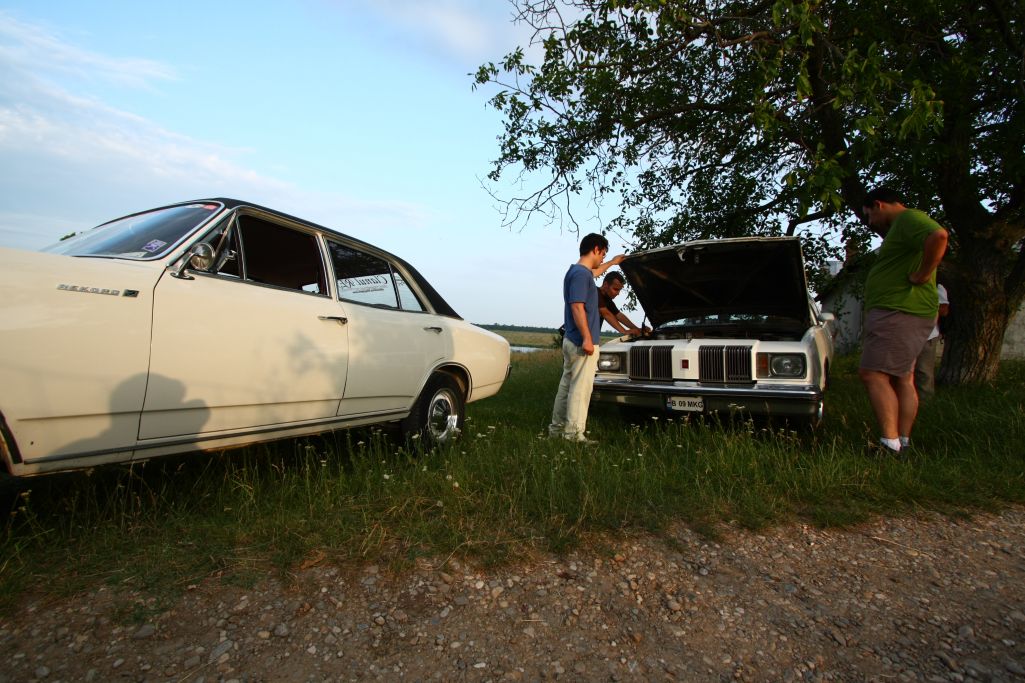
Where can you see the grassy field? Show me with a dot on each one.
(500, 491)
(541, 340)
(535, 339)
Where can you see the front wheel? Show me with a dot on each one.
(438, 415)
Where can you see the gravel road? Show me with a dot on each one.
(912, 599)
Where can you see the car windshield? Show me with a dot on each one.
(145, 235)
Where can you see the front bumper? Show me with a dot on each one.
(769, 400)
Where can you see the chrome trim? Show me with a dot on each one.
(200, 439)
(796, 392)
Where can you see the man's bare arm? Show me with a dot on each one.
(932, 253)
(614, 261)
(612, 319)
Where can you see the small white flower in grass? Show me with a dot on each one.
(448, 477)
(455, 484)
(359, 443)
(387, 476)
(415, 436)
(491, 426)
(655, 418)
(424, 469)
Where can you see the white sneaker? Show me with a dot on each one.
(581, 439)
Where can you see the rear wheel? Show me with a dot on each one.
(438, 415)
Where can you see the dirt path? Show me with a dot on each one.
(896, 600)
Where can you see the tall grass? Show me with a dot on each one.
(502, 489)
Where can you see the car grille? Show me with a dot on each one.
(651, 362)
(724, 364)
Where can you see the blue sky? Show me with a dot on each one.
(358, 115)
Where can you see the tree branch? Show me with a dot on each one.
(810, 218)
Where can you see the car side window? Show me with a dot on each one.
(362, 278)
(371, 280)
(276, 255)
(408, 299)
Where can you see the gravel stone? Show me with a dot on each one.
(928, 598)
(144, 631)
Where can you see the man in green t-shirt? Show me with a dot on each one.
(900, 310)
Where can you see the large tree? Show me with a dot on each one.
(716, 119)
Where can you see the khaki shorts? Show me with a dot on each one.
(892, 341)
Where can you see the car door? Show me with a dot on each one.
(254, 344)
(394, 341)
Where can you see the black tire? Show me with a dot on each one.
(438, 415)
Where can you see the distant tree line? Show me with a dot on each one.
(518, 328)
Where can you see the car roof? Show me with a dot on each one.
(437, 301)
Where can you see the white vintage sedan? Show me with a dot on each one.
(217, 323)
(734, 331)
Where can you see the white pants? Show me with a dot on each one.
(569, 416)
(925, 369)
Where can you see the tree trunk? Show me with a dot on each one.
(979, 312)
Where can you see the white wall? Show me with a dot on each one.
(1014, 338)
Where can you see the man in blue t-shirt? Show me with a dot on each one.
(579, 346)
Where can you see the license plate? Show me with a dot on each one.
(688, 403)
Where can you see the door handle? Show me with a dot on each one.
(336, 318)
(436, 330)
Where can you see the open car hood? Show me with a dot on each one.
(747, 275)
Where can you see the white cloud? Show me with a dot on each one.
(70, 161)
(27, 46)
(459, 30)
(469, 31)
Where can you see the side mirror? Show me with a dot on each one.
(199, 257)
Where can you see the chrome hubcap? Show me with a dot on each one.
(442, 418)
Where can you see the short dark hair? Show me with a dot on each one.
(591, 241)
(883, 194)
(614, 275)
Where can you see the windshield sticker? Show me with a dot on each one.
(154, 246)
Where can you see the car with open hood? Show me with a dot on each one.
(218, 323)
(734, 331)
